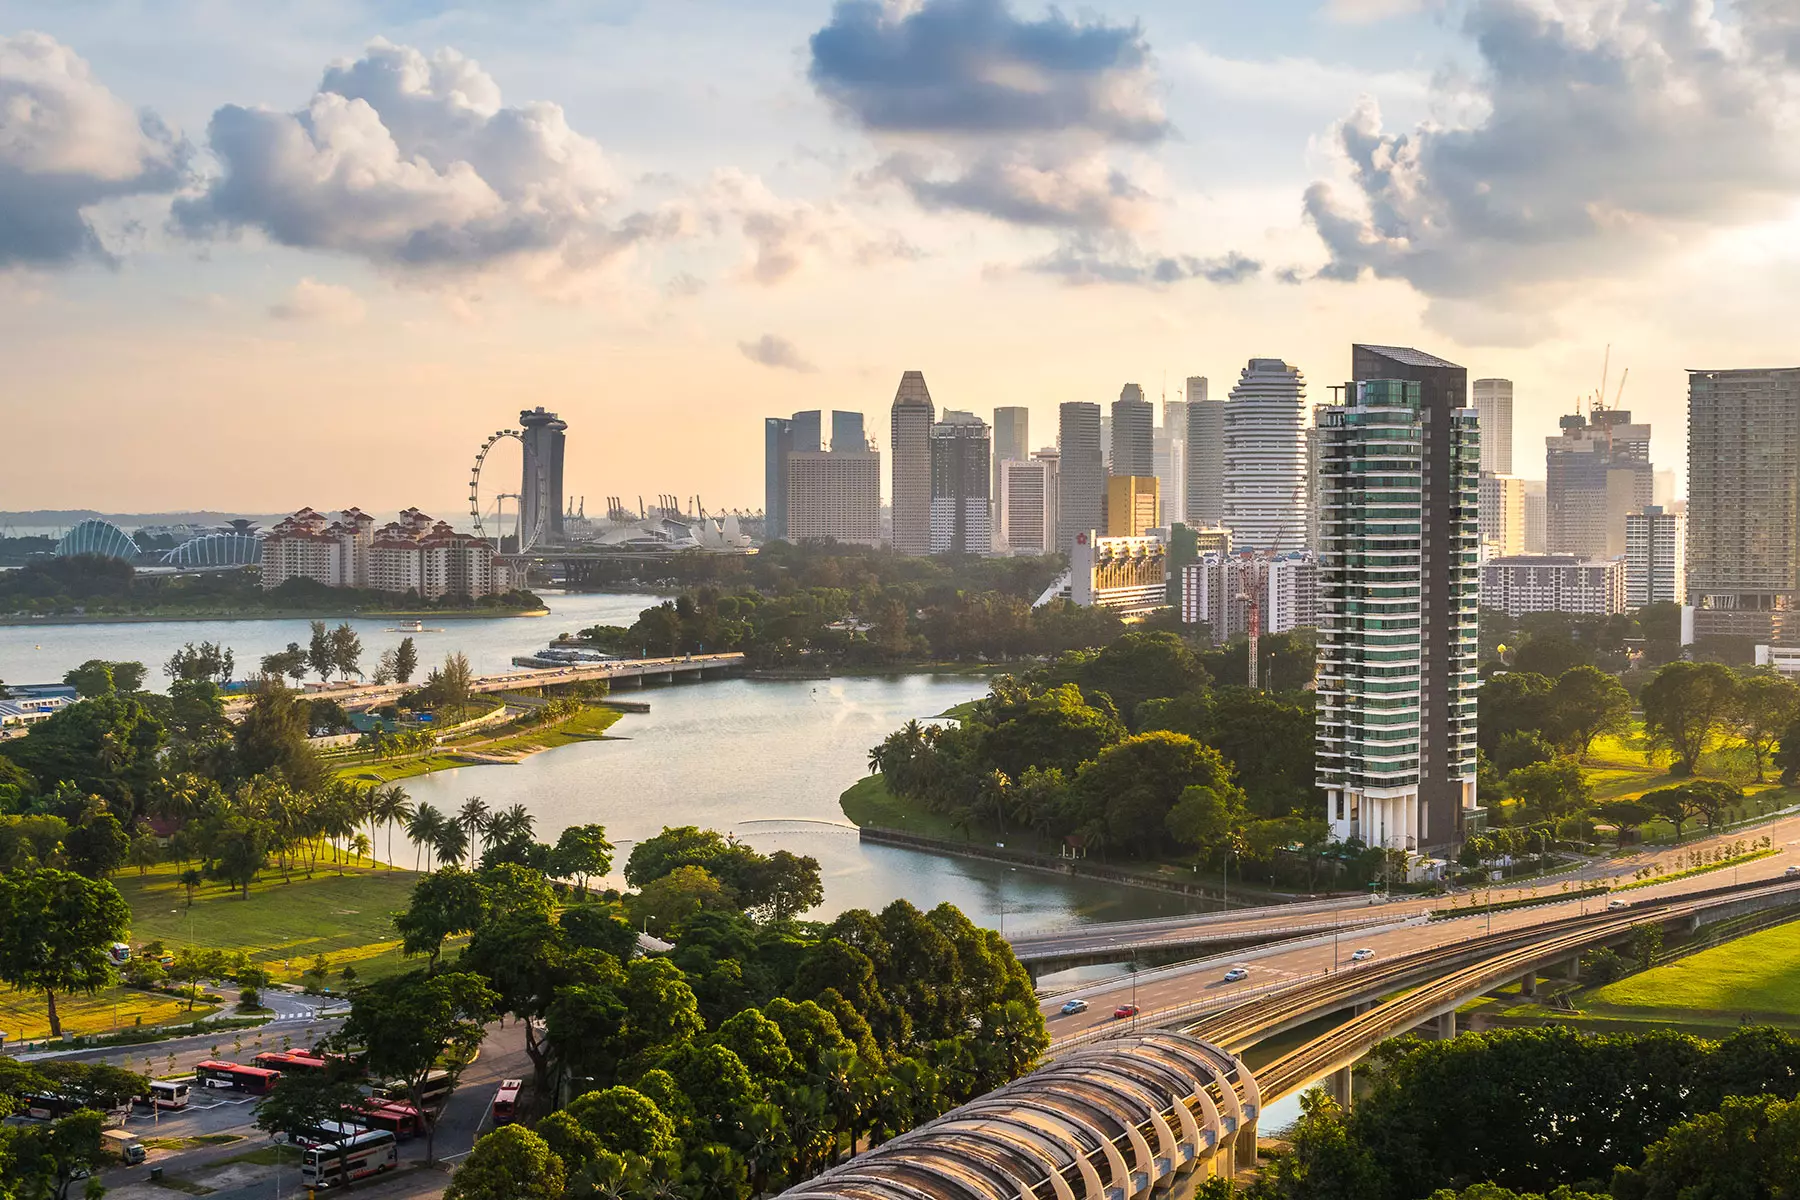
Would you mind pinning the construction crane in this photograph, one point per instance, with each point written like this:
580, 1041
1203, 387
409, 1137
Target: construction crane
1252, 596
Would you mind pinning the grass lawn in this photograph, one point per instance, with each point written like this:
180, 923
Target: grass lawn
23, 1014
868, 802
589, 725
1756, 976
286, 920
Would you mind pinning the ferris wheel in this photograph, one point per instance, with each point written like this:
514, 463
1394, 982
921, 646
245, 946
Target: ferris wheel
535, 471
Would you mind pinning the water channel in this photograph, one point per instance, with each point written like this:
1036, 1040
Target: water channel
765, 761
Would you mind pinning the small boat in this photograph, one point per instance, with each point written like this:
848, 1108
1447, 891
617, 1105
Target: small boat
413, 627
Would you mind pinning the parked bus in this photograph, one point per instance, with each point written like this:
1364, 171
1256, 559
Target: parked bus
437, 1087
291, 1062
258, 1081
327, 1133
363, 1155
401, 1120
506, 1101
166, 1093
46, 1106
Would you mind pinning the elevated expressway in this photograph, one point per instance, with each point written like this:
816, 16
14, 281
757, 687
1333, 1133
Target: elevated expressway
1135, 1113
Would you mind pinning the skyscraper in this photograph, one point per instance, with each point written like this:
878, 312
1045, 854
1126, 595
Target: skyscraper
1535, 516
1398, 596
1133, 505
1655, 558
909, 446
834, 495
1082, 482
1265, 458
1595, 472
1171, 461
809, 431
1205, 505
1743, 517
1494, 406
1133, 434
960, 512
1012, 443
1502, 515
778, 443
541, 489
847, 434
1027, 504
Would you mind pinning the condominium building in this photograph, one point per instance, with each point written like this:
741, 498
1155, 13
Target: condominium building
960, 514
1596, 471
1081, 476
1265, 457
1743, 526
541, 489
309, 545
1397, 602
1133, 505
1655, 557
834, 495
1536, 516
1217, 591
1028, 495
1012, 443
1205, 453
1494, 408
1561, 583
412, 555
910, 447
1502, 515
1133, 434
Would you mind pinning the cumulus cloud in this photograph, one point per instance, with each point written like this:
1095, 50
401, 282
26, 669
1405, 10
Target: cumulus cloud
67, 144
777, 352
1110, 260
314, 301
1603, 132
980, 110
1363, 12
787, 236
414, 163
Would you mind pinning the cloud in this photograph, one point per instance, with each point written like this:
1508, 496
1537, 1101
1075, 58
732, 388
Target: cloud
415, 164
1366, 12
1026, 121
1112, 260
67, 144
1604, 132
787, 236
314, 301
777, 352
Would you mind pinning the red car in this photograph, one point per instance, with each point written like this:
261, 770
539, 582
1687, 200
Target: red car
1125, 1010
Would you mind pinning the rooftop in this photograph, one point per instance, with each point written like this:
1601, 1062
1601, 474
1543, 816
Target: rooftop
1407, 356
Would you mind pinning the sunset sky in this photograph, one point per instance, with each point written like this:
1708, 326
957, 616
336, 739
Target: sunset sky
255, 256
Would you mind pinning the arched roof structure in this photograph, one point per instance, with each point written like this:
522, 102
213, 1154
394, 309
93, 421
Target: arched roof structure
216, 550
97, 537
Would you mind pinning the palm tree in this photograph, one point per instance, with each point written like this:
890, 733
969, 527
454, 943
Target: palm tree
515, 822
451, 843
473, 817
360, 845
393, 806
422, 829
191, 879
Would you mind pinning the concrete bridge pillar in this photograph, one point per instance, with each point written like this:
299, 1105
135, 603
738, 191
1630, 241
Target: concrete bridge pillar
1342, 1086
1572, 968
1446, 1026
1528, 984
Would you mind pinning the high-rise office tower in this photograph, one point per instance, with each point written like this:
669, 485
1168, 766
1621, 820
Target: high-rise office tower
1171, 461
1494, 406
1595, 472
1743, 515
1502, 515
960, 512
1133, 505
541, 488
847, 435
1012, 443
1265, 458
778, 443
1133, 434
1535, 516
809, 431
834, 495
1398, 596
1205, 505
909, 447
1655, 558
1082, 478
1028, 504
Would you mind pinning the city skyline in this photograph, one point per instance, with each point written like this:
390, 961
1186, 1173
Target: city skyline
773, 230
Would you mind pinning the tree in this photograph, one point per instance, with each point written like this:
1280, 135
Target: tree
209, 662
1767, 705
453, 684
1685, 706
1551, 789
581, 852
98, 846
1324, 1161
236, 844
272, 739
145, 851
1624, 816
1677, 805
445, 903
1206, 817
511, 1163
106, 746
319, 654
786, 885
1749, 1149
97, 677
626, 1121
303, 1102
1585, 703
346, 651
664, 903
406, 660
290, 662
56, 929
93, 1085
1126, 793
407, 1025
47, 1160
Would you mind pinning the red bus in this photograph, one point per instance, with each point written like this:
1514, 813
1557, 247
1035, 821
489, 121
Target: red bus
255, 1080
506, 1100
401, 1120
291, 1062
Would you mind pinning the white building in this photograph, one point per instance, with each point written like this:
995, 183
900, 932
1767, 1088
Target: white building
1502, 514
1216, 591
1171, 460
1128, 575
1537, 516
1785, 659
1494, 408
1534, 583
308, 545
835, 495
1028, 493
413, 554
1265, 458
1655, 557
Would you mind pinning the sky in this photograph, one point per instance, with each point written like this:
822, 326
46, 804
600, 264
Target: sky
254, 257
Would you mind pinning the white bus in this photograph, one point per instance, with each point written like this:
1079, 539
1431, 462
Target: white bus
363, 1155
166, 1093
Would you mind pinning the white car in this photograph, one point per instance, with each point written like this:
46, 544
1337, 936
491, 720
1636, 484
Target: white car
1236, 974
1074, 1006
1362, 955
1792, 872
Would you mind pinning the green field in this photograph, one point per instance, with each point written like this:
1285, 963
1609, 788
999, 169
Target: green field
1756, 976
868, 802
589, 725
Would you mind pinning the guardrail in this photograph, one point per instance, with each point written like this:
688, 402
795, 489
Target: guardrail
1028, 955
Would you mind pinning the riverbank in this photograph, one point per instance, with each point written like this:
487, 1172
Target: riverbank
487, 749
279, 614
884, 819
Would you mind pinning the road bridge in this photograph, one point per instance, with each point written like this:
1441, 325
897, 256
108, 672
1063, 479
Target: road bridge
623, 672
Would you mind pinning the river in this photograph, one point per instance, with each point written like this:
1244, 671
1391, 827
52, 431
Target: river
765, 761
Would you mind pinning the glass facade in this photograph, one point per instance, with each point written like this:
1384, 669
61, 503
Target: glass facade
100, 538
216, 550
